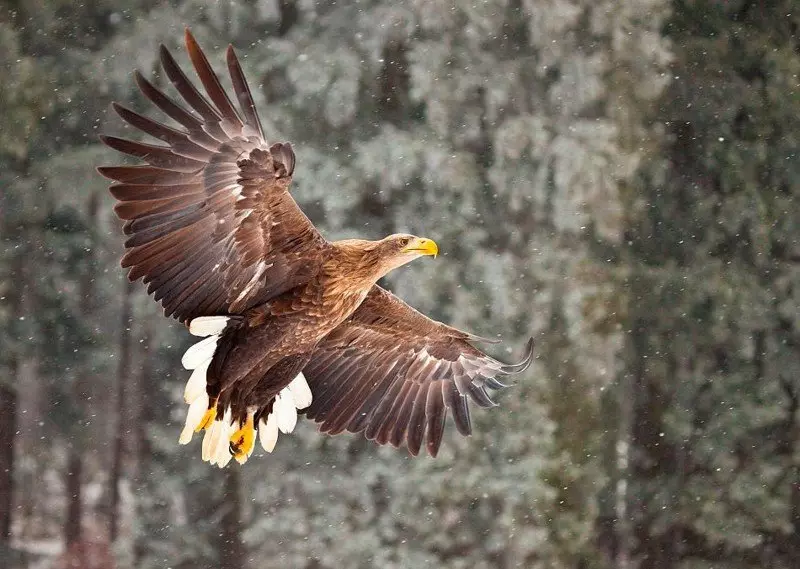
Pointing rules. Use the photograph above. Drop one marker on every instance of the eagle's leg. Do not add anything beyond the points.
(208, 418)
(243, 441)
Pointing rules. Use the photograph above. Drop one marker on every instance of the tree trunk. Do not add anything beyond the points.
(73, 476)
(143, 416)
(8, 397)
(123, 377)
(231, 549)
(8, 422)
(72, 527)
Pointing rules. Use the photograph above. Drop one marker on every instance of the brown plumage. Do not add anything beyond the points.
(214, 232)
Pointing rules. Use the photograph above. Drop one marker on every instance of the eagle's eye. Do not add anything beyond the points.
(404, 241)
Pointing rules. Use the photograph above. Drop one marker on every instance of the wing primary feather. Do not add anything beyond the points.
(342, 398)
(378, 414)
(387, 422)
(475, 338)
(138, 255)
(457, 403)
(330, 384)
(494, 383)
(380, 402)
(354, 401)
(329, 400)
(144, 174)
(141, 192)
(158, 156)
(523, 365)
(148, 125)
(363, 414)
(149, 209)
(416, 422)
(210, 80)
(436, 415)
(166, 104)
(401, 423)
(242, 90)
(479, 396)
(186, 88)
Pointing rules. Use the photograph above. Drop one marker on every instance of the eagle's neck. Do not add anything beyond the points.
(354, 264)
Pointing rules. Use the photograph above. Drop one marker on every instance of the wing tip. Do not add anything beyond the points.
(122, 111)
(140, 79)
(230, 54)
(166, 58)
(526, 360)
(110, 141)
(105, 172)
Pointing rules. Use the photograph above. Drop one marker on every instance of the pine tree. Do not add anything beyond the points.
(712, 350)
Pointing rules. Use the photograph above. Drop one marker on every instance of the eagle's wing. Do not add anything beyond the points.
(394, 373)
(212, 226)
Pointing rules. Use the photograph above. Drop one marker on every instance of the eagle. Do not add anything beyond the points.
(291, 322)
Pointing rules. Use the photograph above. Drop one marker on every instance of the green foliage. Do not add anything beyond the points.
(714, 297)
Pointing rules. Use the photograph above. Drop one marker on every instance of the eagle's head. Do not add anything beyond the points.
(398, 249)
(359, 260)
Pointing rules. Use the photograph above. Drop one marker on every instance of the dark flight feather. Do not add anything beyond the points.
(212, 203)
(392, 372)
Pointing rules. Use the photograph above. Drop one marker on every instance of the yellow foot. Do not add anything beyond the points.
(207, 419)
(243, 441)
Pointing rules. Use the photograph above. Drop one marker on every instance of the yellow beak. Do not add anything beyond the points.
(423, 246)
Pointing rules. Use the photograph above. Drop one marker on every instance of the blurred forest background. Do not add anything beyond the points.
(618, 177)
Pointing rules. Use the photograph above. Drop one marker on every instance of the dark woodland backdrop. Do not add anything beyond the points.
(619, 178)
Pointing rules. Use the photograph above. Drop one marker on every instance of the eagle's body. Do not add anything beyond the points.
(290, 320)
(289, 326)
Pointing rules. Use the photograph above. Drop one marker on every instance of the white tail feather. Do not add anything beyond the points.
(193, 417)
(285, 411)
(216, 440)
(196, 386)
(220, 453)
(301, 392)
(268, 433)
(200, 352)
(210, 440)
(208, 325)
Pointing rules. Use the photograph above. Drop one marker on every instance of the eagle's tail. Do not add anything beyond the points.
(198, 358)
(225, 438)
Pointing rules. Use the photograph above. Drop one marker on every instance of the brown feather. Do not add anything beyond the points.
(436, 415)
(416, 423)
(210, 200)
(211, 81)
(242, 90)
(167, 105)
(393, 373)
(187, 89)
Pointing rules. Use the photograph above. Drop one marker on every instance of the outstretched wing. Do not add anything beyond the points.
(212, 226)
(394, 373)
